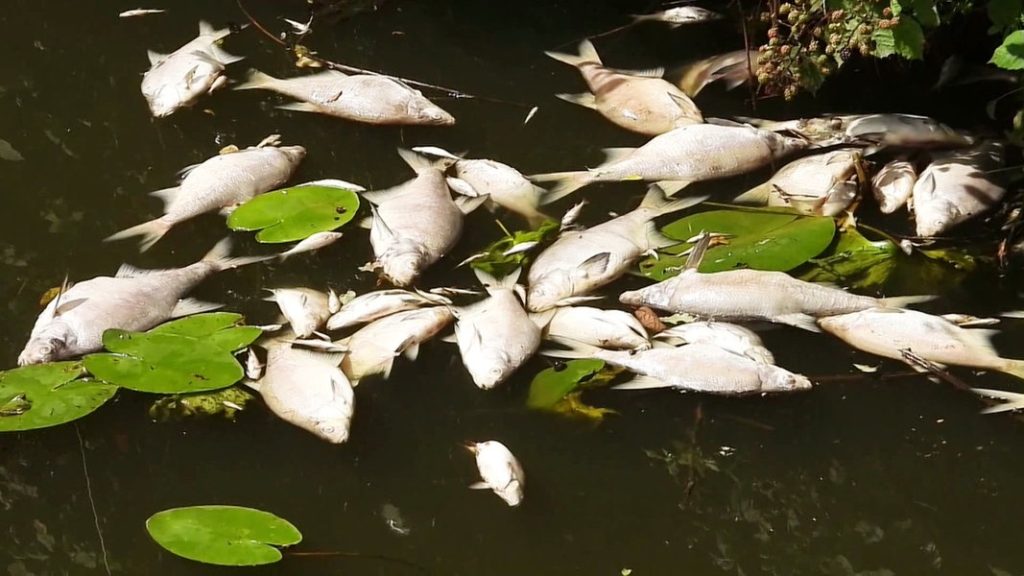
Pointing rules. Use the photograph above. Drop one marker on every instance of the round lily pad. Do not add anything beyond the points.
(46, 395)
(223, 535)
(298, 212)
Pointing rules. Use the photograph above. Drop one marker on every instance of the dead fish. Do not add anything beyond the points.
(219, 183)
(889, 333)
(612, 329)
(735, 339)
(820, 185)
(877, 130)
(374, 347)
(312, 242)
(639, 101)
(756, 295)
(1010, 400)
(893, 184)
(499, 470)
(134, 300)
(955, 188)
(416, 223)
(675, 159)
(571, 216)
(306, 310)
(734, 68)
(363, 97)
(698, 367)
(180, 78)
(378, 304)
(679, 16)
(502, 184)
(307, 389)
(140, 12)
(580, 262)
(496, 335)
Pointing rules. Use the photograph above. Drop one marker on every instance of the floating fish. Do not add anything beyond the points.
(378, 304)
(734, 68)
(735, 339)
(893, 185)
(219, 183)
(313, 242)
(363, 97)
(374, 347)
(140, 12)
(679, 16)
(955, 187)
(499, 470)
(820, 185)
(639, 101)
(306, 310)
(612, 329)
(878, 130)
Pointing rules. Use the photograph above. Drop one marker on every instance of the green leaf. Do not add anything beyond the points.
(224, 403)
(298, 212)
(497, 263)
(46, 395)
(926, 12)
(558, 389)
(192, 354)
(1010, 54)
(762, 240)
(222, 535)
(905, 39)
(1004, 13)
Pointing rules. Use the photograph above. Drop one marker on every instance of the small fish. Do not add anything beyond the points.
(499, 470)
(878, 130)
(735, 339)
(306, 310)
(820, 185)
(893, 185)
(955, 187)
(889, 333)
(502, 184)
(253, 366)
(298, 27)
(363, 97)
(580, 262)
(699, 367)
(140, 12)
(571, 216)
(219, 183)
(307, 389)
(133, 300)
(613, 329)
(679, 16)
(179, 79)
(756, 295)
(374, 347)
(734, 68)
(496, 335)
(313, 242)
(675, 159)
(637, 101)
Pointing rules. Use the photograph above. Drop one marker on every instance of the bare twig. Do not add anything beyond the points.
(92, 501)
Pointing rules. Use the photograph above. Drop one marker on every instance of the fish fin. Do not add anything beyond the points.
(253, 385)
(574, 300)
(672, 187)
(68, 306)
(613, 155)
(365, 223)
(587, 54)
(379, 225)
(481, 485)
(326, 357)
(387, 365)
(412, 352)
(190, 306)
(450, 339)
(683, 101)
(798, 320)
(340, 385)
(654, 72)
(220, 256)
(1014, 368)
(300, 107)
(129, 271)
(567, 183)
(206, 29)
(657, 201)
(758, 195)
(585, 99)
(461, 187)
(655, 239)
(1011, 400)
(641, 382)
(151, 233)
(167, 195)
(437, 151)
(596, 264)
(491, 283)
(700, 249)
(467, 205)
(418, 162)
(155, 57)
(542, 319)
(904, 301)
(222, 56)
(256, 80)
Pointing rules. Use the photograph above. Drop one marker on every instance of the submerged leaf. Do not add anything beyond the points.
(46, 395)
(222, 535)
(298, 212)
(225, 403)
(513, 251)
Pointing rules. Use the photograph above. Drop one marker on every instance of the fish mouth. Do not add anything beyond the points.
(470, 446)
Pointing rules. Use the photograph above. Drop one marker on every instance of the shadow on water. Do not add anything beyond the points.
(866, 478)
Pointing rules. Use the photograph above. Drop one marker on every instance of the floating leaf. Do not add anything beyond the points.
(298, 212)
(222, 535)
(502, 257)
(192, 354)
(762, 240)
(46, 395)
(558, 389)
(224, 403)
(1010, 54)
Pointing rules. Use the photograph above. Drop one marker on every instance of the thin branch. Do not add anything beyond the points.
(92, 501)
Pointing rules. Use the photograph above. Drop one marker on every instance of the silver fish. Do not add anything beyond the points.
(374, 347)
(893, 184)
(580, 262)
(500, 471)
(312, 242)
(603, 328)
(733, 68)
(362, 97)
(678, 16)
(879, 130)
(689, 154)
(307, 389)
(890, 332)
(496, 335)
(822, 184)
(699, 367)
(735, 339)
(378, 304)
(140, 12)
(219, 183)
(180, 78)
(134, 299)
(414, 224)
(755, 295)
(955, 188)
(305, 309)
(637, 101)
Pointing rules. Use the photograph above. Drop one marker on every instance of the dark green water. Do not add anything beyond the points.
(857, 477)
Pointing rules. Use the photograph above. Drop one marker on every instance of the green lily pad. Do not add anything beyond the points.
(46, 395)
(558, 389)
(223, 535)
(762, 240)
(193, 354)
(498, 262)
(298, 212)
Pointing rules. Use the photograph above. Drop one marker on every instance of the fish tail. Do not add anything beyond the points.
(419, 162)
(151, 232)
(567, 183)
(257, 80)
(1014, 368)
(490, 282)
(657, 202)
(904, 301)
(587, 55)
(220, 256)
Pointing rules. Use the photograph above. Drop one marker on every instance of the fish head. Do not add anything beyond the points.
(403, 264)
(632, 298)
(47, 346)
(333, 430)
(427, 112)
(548, 291)
(782, 145)
(294, 154)
(775, 379)
(166, 95)
(489, 368)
